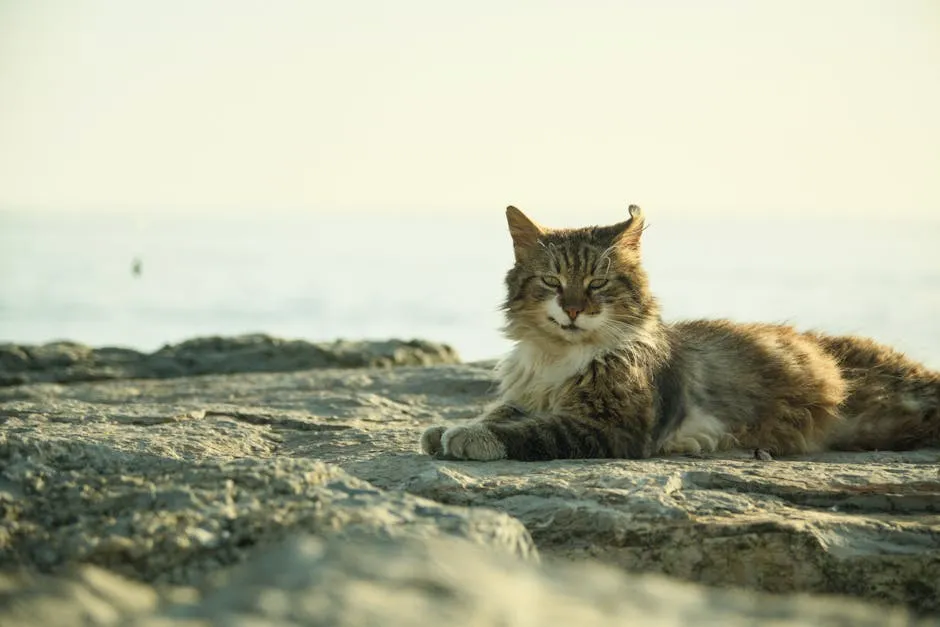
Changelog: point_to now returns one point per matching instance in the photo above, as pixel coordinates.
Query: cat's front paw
(474, 441)
(431, 440)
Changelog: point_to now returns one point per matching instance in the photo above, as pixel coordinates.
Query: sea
(374, 275)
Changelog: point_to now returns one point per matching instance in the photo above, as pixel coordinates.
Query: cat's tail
(893, 401)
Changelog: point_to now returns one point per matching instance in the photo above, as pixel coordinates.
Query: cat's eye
(551, 281)
(597, 284)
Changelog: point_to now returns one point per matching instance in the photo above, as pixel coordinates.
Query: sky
(748, 106)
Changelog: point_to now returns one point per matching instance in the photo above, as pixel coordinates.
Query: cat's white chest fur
(535, 379)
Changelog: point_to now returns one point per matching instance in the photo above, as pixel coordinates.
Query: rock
(161, 519)
(63, 362)
(860, 524)
(87, 596)
(867, 527)
(401, 582)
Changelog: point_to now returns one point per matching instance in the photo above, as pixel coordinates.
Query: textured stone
(399, 582)
(860, 524)
(67, 361)
(176, 520)
(87, 596)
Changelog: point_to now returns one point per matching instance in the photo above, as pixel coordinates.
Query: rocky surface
(401, 582)
(62, 362)
(173, 520)
(166, 481)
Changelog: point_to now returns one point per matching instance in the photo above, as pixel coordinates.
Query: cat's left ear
(525, 233)
(627, 234)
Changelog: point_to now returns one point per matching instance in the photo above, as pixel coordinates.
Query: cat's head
(577, 286)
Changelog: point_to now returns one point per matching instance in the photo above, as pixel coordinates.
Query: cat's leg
(574, 437)
(698, 434)
(507, 433)
(789, 430)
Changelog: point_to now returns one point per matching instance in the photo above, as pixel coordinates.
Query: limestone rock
(860, 524)
(88, 596)
(405, 582)
(174, 520)
(67, 361)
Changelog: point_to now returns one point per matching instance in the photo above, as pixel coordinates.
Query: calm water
(320, 278)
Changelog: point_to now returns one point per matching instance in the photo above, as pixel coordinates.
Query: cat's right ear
(628, 233)
(525, 233)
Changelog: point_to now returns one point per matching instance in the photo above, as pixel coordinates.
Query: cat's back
(747, 344)
(749, 365)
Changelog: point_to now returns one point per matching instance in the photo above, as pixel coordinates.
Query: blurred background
(319, 170)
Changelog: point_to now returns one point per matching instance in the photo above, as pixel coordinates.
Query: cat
(596, 373)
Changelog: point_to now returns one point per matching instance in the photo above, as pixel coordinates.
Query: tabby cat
(595, 372)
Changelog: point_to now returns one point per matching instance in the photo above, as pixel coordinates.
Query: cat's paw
(431, 440)
(474, 441)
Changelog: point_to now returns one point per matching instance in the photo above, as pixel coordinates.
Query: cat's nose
(573, 312)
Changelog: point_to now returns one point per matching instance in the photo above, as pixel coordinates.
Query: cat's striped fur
(596, 373)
